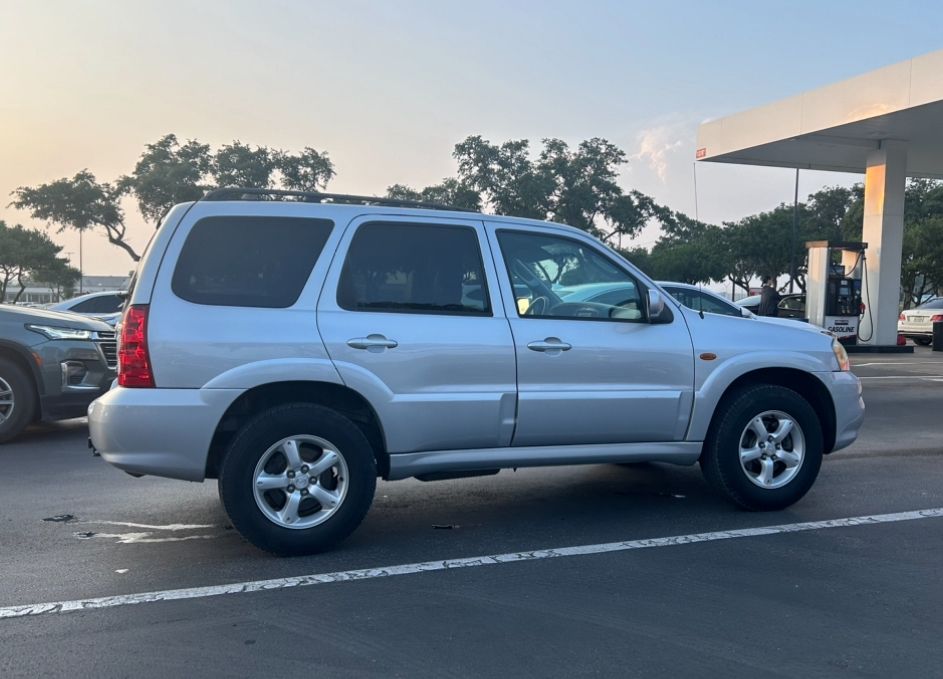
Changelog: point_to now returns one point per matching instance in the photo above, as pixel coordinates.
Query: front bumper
(60, 398)
(161, 432)
(845, 390)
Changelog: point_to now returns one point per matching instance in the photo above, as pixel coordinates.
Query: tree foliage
(450, 192)
(577, 187)
(30, 254)
(309, 170)
(238, 164)
(166, 174)
(80, 203)
(169, 172)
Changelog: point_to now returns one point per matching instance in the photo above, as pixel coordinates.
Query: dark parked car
(790, 306)
(52, 365)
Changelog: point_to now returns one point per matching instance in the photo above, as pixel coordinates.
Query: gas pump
(833, 287)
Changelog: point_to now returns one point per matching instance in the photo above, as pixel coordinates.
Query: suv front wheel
(764, 449)
(298, 479)
(17, 400)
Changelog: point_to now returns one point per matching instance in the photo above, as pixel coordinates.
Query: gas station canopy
(886, 124)
(835, 127)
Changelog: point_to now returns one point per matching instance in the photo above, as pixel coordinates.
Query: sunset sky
(388, 88)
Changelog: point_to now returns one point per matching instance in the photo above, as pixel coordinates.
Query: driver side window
(559, 277)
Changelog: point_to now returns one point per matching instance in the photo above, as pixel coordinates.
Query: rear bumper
(845, 389)
(161, 432)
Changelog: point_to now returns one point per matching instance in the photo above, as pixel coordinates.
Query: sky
(388, 88)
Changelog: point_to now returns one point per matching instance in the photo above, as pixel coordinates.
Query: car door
(412, 318)
(588, 372)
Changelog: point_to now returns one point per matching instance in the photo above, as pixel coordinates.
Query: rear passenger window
(249, 261)
(414, 268)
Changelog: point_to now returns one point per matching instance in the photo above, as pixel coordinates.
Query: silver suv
(298, 346)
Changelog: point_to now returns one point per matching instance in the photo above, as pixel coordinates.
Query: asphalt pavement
(598, 570)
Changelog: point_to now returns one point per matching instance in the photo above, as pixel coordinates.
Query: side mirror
(746, 313)
(658, 311)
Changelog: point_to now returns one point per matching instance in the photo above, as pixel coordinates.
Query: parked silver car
(105, 306)
(298, 349)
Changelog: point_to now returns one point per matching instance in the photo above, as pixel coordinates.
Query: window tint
(249, 261)
(87, 306)
(699, 301)
(414, 268)
(793, 303)
(106, 304)
(559, 277)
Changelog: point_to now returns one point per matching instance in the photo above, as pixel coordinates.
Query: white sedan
(917, 324)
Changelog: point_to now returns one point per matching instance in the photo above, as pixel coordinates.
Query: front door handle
(373, 342)
(552, 344)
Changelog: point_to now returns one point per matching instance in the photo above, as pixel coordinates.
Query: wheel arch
(804, 383)
(337, 397)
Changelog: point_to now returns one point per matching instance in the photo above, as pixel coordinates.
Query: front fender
(714, 381)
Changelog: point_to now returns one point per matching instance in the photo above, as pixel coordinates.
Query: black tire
(261, 433)
(720, 459)
(923, 341)
(23, 410)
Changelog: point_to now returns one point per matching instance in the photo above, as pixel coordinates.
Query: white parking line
(900, 377)
(861, 365)
(448, 564)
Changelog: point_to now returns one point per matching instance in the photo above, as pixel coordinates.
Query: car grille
(108, 344)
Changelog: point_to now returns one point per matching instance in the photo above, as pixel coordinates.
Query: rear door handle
(373, 342)
(553, 344)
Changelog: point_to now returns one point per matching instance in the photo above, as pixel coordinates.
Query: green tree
(238, 164)
(309, 170)
(166, 174)
(450, 192)
(30, 254)
(80, 203)
(577, 187)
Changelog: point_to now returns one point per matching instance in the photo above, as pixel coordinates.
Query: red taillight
(134, 362)
(902, 318)
(936, 319)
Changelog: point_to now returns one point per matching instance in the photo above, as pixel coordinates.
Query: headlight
(53, 332)
(843, 363)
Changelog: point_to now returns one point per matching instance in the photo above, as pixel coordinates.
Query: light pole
(81, 267)
(795, 234)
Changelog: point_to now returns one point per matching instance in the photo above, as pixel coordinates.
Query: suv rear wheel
(298, 479)
(17, 400)
(765, 448)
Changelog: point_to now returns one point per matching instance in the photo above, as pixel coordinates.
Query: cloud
(658, 144)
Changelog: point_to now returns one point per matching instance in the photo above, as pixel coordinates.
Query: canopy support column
(884, 183)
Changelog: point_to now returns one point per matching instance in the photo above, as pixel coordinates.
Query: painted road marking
(899, 377)
(25, 610)
(151, 534)
(861, 365)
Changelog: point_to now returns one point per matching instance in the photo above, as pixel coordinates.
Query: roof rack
(237, 193)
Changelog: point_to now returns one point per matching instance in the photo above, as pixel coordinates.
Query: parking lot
(595, 570)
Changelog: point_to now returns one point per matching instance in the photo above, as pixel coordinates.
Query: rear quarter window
(249, 261)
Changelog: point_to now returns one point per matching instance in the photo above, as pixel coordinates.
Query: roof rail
(237, 193)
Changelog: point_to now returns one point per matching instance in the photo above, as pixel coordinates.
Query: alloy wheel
(300, 481)
(772, 449)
